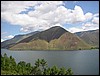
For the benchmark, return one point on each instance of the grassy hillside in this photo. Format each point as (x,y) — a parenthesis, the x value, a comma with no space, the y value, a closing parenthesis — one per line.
(36,45)
(67,41)
(47,35)
(11,42)
(90,37)
(55,38)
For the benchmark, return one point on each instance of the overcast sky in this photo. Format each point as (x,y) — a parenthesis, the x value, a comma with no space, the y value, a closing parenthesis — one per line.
(20,17)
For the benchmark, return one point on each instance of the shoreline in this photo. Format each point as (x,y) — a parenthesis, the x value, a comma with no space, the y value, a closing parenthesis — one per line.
(50,50)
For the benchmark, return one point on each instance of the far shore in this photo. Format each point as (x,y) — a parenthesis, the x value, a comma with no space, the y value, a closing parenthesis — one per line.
(50,50)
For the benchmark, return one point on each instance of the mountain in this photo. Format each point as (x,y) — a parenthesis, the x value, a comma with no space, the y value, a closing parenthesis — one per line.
(15,40)
(91,37)
(47,35)
(55,38)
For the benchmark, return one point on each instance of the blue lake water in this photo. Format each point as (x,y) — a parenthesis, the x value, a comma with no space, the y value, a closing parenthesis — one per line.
(84,62)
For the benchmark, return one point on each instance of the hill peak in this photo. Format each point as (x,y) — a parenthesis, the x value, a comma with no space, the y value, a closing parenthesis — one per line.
(56,27)
(48,35)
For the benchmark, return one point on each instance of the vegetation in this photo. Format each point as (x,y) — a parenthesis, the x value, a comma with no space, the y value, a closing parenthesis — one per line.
(94,47)
(10,67)
(16,39)
(91,37)
(55,38)
(67,41)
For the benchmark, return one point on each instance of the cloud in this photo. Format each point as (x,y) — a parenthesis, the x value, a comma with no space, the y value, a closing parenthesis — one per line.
(16,6)
(44,15)
(92,25)
(88,15)
(77,15)
(27,21)
(48,6)
(9,37)
(75,2)
(3,33)
(3,36)
(96,15)
(2,40)
(85,27)
(75,29)
(95,20)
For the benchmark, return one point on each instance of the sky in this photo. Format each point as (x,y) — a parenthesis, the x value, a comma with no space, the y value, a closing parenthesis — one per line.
(21,17)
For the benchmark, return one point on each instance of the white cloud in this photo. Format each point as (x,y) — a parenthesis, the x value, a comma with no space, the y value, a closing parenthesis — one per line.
(75,1)
(78,15)
(16,6)
(2,40)
(28,21)
(45,14)
(96,15)
(88,15)
(90,26)
(93,25)
(3,33)
(24,30)
(48,6)
(9,37)
(95,20)
(85,27)
(75,29)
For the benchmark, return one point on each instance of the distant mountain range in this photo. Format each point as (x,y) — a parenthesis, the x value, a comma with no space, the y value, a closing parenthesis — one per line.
(91,37)
(11,42)
(55,38)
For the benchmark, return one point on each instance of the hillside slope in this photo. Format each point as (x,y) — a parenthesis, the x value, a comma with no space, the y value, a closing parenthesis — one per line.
(55,38)
(11,42)
(90,37)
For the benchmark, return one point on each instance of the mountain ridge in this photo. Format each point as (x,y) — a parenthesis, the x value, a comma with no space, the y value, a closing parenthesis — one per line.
(50,34)
(91,37)
(16,39)
(54,38)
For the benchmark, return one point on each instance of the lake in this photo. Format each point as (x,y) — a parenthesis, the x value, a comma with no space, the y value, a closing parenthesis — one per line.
(83,62)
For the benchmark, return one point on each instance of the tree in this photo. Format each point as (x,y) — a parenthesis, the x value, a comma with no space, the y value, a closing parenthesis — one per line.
(62,71)
(2,64)
(43,64)
(6,62)
(54,70)
(22,65)
(69,71)
(37,63)
(37,70)
(28,68)
(40,67)
(10,67)
(12,63)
